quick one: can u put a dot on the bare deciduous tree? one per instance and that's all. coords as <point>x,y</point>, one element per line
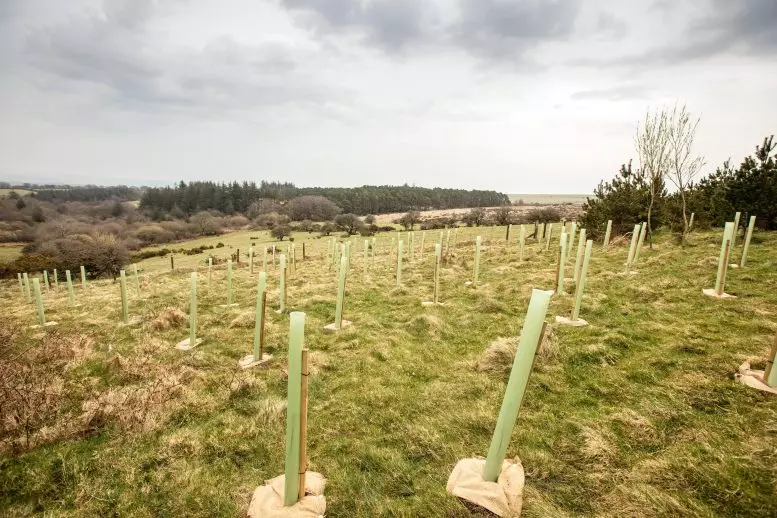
<point>684,165</point>
<point>653,147</point>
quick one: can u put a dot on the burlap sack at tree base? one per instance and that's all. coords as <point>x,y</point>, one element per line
<point>503,497</point>
<point>267,500</point>
<point>751,378</point>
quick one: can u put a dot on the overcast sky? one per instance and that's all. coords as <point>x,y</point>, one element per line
<point>521,96</point>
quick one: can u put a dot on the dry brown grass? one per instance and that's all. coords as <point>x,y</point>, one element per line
<point>169,318</point>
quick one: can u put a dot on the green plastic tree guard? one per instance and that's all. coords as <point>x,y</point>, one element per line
<point>478,241</point>
<point>531,334</point>
<point>725,246</point>
<point>548,236</point>
<point>737,217</point>
<point>137,278</point>
<point>261,309</point>
<point>364,260</point>
<point>423,239</point>
<point>70,295</point>
<point>46,279</point>
<point>690,223</point>
<point>39,302</point>
<point>193,310</point>
<point>634,239</point>
<point>571,245</point>
<point>399,263</point>
<point>642,233</point>
<point>229,282</point>
<point>748,237</point>
<point>294,407</point>
<point>607,234</point>
<point>282,284</point>
<point>56,278</point>
<point>411,238</point>
<point>562,259</point>
<point>21,283</point>
<point>521,242</point>
<point>437,259</point>
<point>579,258</point>
<point>581,282</point>
<point>340,294</point>
<point>27,286</point>
<point>770,376</point>
<point>124,304</point>
<point>83,277</point>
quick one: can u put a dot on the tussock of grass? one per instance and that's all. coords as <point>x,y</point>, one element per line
<point>169,318</point>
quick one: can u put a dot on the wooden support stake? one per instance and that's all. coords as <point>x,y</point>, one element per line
<point>137,278</point>
<point>607,233</point>
<point>507,235</point>
<point>748,237</point>
<point>294,408</point>
<point>303,427</point>
<point>261,309</point>
<point>172,262</point>
<point>304,256</point>
<point>251,260</point>
<point>530,338</point>
<point>364,259</point>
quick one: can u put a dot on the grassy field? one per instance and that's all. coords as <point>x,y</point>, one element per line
<point>635,415</point>
<point>9,252</point>
<point>20,192</point>
<point>549,199</point>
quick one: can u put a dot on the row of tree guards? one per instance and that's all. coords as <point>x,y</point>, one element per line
<point>486,472</point>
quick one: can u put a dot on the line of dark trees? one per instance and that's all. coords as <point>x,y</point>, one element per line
<point>230,198</point>
<point>82,193</point>
<point>750,188</point>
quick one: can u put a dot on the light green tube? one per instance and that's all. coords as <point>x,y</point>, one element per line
<point>399,263</point>
<point>607,234</point>
<point>642,233</point>
<point>39,302</point>
<point>478,242</point>
<point>571,245</point>
<point>56,278</point>
<point>748,237</point>
<point>21,283</point>
<point>27,286</point>
<point>547,236</point>
<point>690,223</point>
<point>137,278</point>
<point>261,299</point>
<point>725,246</point>
<point>561,263</point>
<point>193,310</point>
<point>83,277</point>
<point>634,239</point>
<point>521,242</point>
<point>46,279</point>
<point>423,239</point>
<point>579,258</point>
<point>437,258</point>
<point>282,283</point>
<point>340,293</point>
<point>737,217</point>
<point>124,304</point>
<point>366,253</point>
<point>581,282</point>
<point>70,295</point>
<point>530,337</point>
<point>294,408</point>
<point>229,282</point>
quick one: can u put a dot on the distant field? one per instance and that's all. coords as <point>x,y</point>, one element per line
<point>21,192</point>
<point>9,253</point>
<point>549,199</point>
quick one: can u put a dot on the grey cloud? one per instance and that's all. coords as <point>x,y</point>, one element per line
<point>617,93</point>
<point>608,25</point>
<point>112,52</point>
<point>388,24</point>
<point>747,26</point>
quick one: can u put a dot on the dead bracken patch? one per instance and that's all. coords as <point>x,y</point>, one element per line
<point>169,318</point>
